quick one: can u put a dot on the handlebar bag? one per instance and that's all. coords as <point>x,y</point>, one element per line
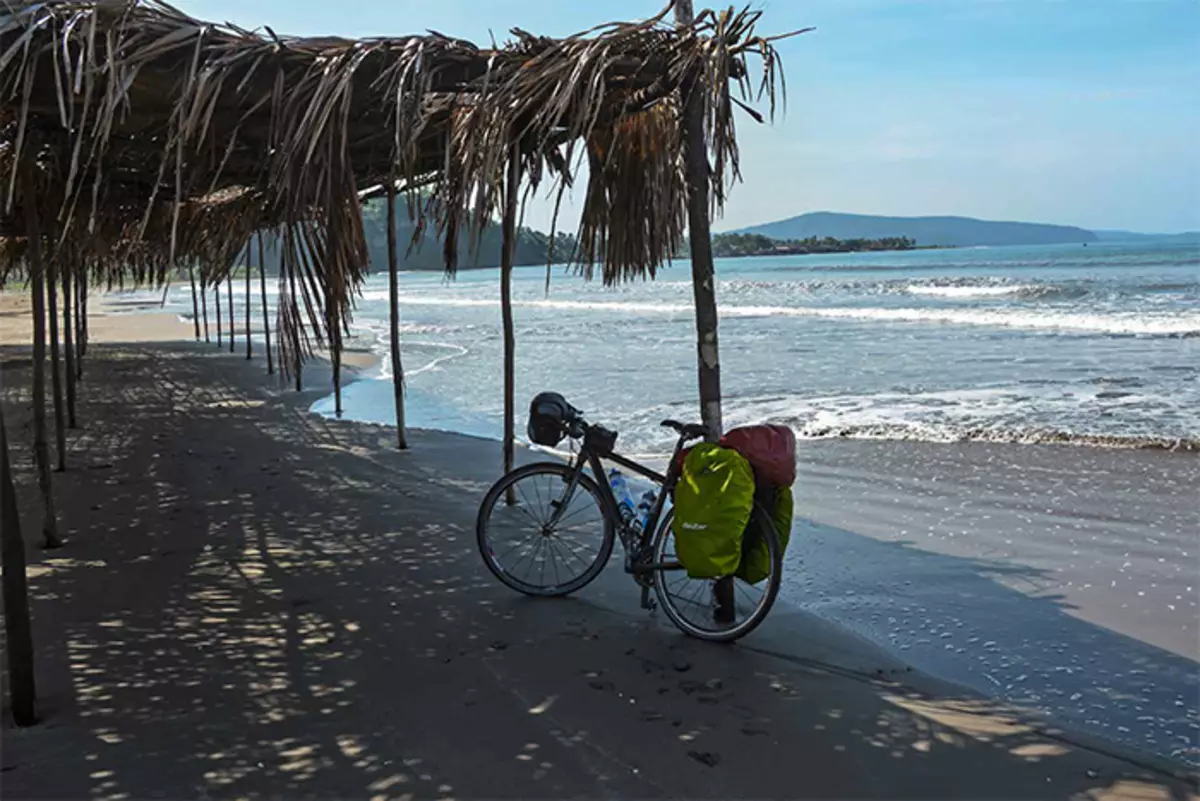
<point>713,502</point>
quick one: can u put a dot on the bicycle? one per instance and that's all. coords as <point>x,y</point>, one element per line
<point>539,498</point>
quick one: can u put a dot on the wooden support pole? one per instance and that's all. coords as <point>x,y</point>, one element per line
<point>81,319</point>
<point>41,449</point>
<point>333,305</point>
<point>195,300</point>
<point>18,631</point>
<point>700,239</point>
<point>85,338</point>
<point>80,289</point>
<point>204,305</point>
<point>56,382</point>
<point>69,342</point>
<point>508,249</point>
<point>394,302</point>
<point>249,265</point>
<point>262,280</point>
<point>217,303</point>
<point>229,295</point>
<point>291,271</point>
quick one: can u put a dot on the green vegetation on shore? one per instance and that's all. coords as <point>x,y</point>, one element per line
<point>533,247</point>
<point>730,245</point>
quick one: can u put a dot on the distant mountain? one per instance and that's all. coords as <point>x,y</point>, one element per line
<point>943,231</point>
<point>1133,236</point>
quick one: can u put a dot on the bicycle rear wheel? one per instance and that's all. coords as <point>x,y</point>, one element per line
<point>691,604</point>
<point>529,554</point>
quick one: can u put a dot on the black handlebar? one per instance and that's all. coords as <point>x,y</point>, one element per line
<point>686,430</point>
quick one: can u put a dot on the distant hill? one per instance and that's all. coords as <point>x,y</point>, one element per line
<point>532,246</point>
<point>1133,236</point>
<point>927,231</point>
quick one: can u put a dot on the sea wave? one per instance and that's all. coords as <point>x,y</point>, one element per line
<point>1186,324</point>
<point>1087,413</point>
<point>1110,263</point>
<point>1026,436</point>
<point>1015,291</point>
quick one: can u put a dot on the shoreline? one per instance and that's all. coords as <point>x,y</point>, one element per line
<point>233,587</point>
<point>318,389</point>
<point>239,559</point>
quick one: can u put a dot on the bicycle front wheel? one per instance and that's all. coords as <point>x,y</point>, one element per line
<point>722,610</point>
<point>532,550</point>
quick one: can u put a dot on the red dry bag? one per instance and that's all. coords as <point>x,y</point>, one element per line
<point>770,449</point>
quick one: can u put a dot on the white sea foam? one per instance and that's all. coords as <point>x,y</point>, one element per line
<point>1063,413</point>
<point>944,291</point>
<point>1161,324</point>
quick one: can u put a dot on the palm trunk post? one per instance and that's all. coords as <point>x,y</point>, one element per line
<point>507,252</point>
<point>262,280</point>
<point>333,323</point>
<point>700,239</point>
<point>204,305</point>
<point>22,691</point>
<point>298,365</point>
<point>41,449</point>
<point>81,319</point>
<point>229,295</point>
<point>195,301</point>
<point>50,274</point>
<point>69,343</point>
<point>249,264</point>
<point>394,302</point>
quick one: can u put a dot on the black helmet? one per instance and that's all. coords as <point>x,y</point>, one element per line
<point>550,417</point>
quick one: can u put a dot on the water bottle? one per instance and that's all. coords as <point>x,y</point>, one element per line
<point>644,507</point>
<point>620,489</point>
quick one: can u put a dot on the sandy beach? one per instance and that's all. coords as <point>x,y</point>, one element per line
<point>256,601</point>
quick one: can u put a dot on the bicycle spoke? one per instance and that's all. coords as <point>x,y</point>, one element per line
<point>570,552</point>
<point>537,494</point>
<point>533,555</point>
<point>525,498</point>
<point>543,574</point>
<point>525,512</point>
<point>583,508</point>
<point>579,546</point>
<point>742,588</point>
<point>531,538</point>
<point>550,546</point>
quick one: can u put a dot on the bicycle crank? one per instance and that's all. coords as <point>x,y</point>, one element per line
<point>648,603</point>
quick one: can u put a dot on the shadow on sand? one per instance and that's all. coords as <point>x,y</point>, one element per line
<point>255,601</point>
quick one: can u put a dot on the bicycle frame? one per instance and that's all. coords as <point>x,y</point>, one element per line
<point>635,561</point>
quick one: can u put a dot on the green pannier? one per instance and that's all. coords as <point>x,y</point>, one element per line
<point>713,502</point>
<point>756,556</point>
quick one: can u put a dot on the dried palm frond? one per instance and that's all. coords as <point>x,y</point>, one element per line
<point>161,140</point>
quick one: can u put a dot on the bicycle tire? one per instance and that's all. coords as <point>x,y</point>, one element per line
<point>497,491</point>
<point>739,630</point>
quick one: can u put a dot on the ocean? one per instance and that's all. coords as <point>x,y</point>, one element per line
<point>1096,345</point>
<point>999,447</point>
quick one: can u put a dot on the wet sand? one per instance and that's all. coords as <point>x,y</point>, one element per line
<point>1062,578</point>
<point>256,601</point>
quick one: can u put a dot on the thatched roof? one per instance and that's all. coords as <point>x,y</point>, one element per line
<point>158,137</point>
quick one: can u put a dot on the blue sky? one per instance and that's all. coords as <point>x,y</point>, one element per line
<point>1065,111</point>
